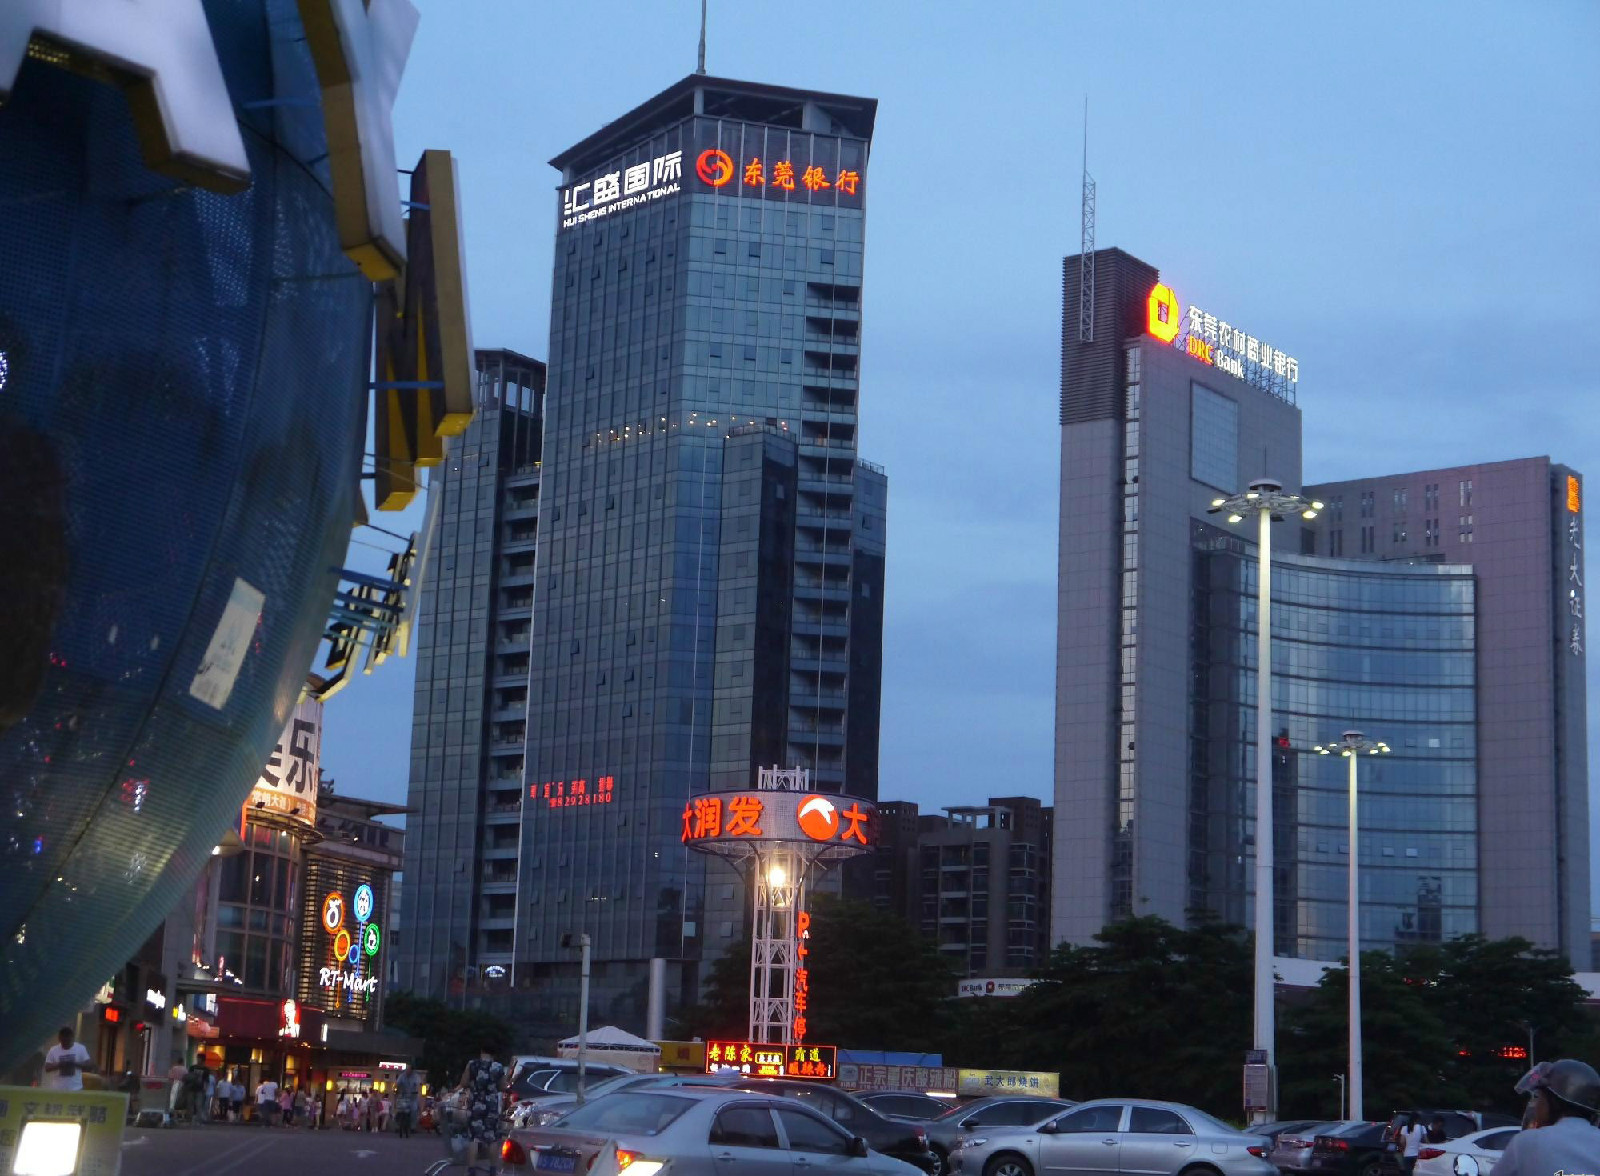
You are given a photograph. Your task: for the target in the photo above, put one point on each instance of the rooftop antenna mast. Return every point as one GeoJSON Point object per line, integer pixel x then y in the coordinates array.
{"type": "Point", "coordinates": [702, 66]}
{"type": "Point", "coordinates": [1086, 243]}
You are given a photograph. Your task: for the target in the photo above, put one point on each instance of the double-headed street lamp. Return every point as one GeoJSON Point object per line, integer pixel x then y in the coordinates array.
{"type": "Point", "coordinates": [1353, 747]}
{"type": "Point", "coordinates": [1267, 501]}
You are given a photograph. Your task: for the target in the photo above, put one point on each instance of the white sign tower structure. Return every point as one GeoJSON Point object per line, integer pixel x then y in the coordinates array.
{"type": "Point", "coordinates": [779, 862]}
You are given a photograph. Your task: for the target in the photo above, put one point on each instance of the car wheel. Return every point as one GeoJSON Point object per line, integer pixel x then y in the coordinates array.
{"type": "Point", "coordinates": [1370, 1168]}
{"type": "Point", "coordinates": [1008, 1165]}
{"type": "Point", "coordinates": [941, 1161]}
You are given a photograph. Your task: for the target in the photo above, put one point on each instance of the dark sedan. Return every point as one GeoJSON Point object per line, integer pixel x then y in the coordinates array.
{"type": "Point", "coordinates": [1353, 1150]}
{"type": "Point", "coordinates": [893, 1137]}
{"type": "Point", "coordinates": [905, 1104]}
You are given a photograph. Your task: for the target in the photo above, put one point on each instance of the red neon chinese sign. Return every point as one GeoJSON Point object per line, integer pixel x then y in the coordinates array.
{"type": "Point", "coordinates": [573, 793]}
{"type": "Point", "coordinates": [802, 974]}
{"type": "Point", "coordinates": [776, 816]}
{"type": "Point", "coordinates": [716, 169]}
{"type": "Point", "coordinates": [772, 1060]}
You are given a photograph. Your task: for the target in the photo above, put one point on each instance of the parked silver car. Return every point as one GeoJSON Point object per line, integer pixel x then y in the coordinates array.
{"type": "Point", "coordinates": [1110, 1136]}
{"type": "Point", "coordinates": [981, 1113]}
{"type": "Point", "coordinates": [696, 1131]}
{"type": "Point", "coordinates": [547, 1110]}
{"type": "Point", "coordinates": [1291, 1151]}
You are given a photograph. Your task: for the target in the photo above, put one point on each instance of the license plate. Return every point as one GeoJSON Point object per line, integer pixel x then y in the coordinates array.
{"type": "Point", "coordinates": [556, 1162]}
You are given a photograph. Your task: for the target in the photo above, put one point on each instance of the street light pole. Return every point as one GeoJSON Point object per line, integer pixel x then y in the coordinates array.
{"type": "Point", "coordinates": [583, 944]}
{"type": "Point", "coordinates": [1352, 748]}
{"type": "Point", "coordinates": [1266, 499]}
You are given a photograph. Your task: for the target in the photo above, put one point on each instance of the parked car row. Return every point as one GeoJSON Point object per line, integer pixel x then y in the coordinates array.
{"type": "Point", "coordinates": [752, 1127]}
{"type": "Point", "coordinates": [705, 1123]}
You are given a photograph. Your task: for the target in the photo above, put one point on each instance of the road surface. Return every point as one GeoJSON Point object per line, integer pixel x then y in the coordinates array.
{"type": "Point", "coordinates": [247, 1150]}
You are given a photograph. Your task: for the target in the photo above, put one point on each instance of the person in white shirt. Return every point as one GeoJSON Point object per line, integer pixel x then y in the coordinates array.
{"type": "Point", "coordinates": [267, 1101]}
{"type": "Point", "coordinates": [224, 1094]}
{"type": "Point", "coordinates": [65, 1063]}
{"type": "Point", "coordinates": [1414, 1134]}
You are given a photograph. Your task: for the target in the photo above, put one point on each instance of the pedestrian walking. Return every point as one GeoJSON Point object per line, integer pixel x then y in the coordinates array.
{"type": "Point", "coordinates": [65, 1062]}
{"type": "Point", "coordinates": [480, 1086]}
{"type": "Point", "coordinates": [224, 1093]}
{"type": "Point", "coordinates": [343, 1113]}
{"type": "Point", "coordinates": [1412, 1137]}
{"type": "Point", "coordinates": [236, 1093]}
{"type": "Point", "coordinates": [304, 1111]}
{"type": "Point", "coordinates": [384, 1107]}
{"type": "Point", "coordinates": [267, 1101]}
{"type": "Point", "coordinates": [286, 1105]}
{"type": "Point", "coordinates": [208, 1097]}
{"type": "Point", "coordinates": [177, 1073]}
{"type": "Point", "coordinates": [407, 1087]}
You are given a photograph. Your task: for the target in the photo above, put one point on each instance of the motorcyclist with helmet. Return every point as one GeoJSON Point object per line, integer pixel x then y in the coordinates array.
{"type": "Point", "coordinates": [1559, 1135]}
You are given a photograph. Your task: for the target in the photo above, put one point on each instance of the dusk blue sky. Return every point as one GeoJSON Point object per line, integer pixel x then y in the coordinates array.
{"type": "Point", "coordinates": [1402, 195]}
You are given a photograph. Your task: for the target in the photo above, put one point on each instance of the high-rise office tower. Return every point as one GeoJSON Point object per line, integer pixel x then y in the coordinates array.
{"type": "Point", "coordinates": [710, 566]}
{"type": "Point", "coordinates": [1440, 612]}
{"type": "Point", "coordinates": [473, 616]}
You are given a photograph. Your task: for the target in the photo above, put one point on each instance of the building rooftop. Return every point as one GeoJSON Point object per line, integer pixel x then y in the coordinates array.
{"type": "Point", "coordinates": [726, 98]}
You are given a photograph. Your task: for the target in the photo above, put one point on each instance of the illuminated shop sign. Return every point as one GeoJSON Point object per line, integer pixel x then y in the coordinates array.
{"type": "Point", "coordinates": [289, 1019]}
{"type": "Point", "coordinates": [1574, 566]}
{"type": "Point", "coordinates": [984, 1082]}
{"type": "Point", "coordinates": [772, 1060]}
{"type": "Point", "coordinates": [802, 974]}
{"type": "Point", "coordinates": [574, 793]}
{"type": "Point", "coordinates": [1216, 343]}
{"type": "Point", "coordinates": [776, 816]}
{"type": "Point", "coordinates": [621, 190]}
{"type": "Point", "coordinates": [769, 163]}
{"type": "Point", "coordinates": [987, 986]}
{"type": "Point", "coordinates": [340, 971]}
{"type": "Point", "coordinates": [287, 787]}
{"type": "Point", "coordinates": [338, 978]}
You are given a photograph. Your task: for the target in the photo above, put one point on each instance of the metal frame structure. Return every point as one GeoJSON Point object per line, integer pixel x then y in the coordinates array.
{"type": "Point", "coordinates": [779, 868]}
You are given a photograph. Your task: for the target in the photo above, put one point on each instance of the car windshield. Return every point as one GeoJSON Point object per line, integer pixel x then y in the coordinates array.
{"type": "Point", "coordinates": [619, 1082]}
{"type": "Point", "coordinates": [627, 1114]}
{"type": "Point", "coordinates": [963, 1108]}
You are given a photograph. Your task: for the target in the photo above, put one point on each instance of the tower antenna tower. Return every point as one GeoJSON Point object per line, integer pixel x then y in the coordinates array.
{"type": "Point", "coordinates": [1086, 243]}
{"type": "Point", "coordinates": [701, 67]}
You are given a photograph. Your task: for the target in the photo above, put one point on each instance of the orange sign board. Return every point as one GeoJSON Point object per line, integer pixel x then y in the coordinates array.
{"type": "Point", "coordinates": [1164, 313]}
{"type": "Point", "coordinates": [777, 816]}
{"type": "Point", "coordinates": [1574, 495]}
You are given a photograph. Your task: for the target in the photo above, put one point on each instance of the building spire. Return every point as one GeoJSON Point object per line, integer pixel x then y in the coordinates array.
{"type": "Point", "coordinates": [701, 67]}
{"type": "Point", "coordinates": [1086, 243]}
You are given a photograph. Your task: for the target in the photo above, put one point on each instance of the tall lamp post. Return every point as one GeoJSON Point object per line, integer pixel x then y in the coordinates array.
{"type": "Point", "coordinates": [1353, 747]}
{"type": "Point", "coordinates": [1267, 501]}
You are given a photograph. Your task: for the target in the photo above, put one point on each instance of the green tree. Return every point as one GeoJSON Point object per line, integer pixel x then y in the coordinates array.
{"type": "Point", "coordinates": [1405, 1045]}
{"type": "Point", "coordinates": [1487, 993]}
{"type": "Point", "coordinates": [723, 1010]}
{"type": "Point", "coordinates": [875, 982]}
{"type": "Point", "coordinates": [450, 1036]}
{"type": "Point", "coordinates": [1150, 1010]}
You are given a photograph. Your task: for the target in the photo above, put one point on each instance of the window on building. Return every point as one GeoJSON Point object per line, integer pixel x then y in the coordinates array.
{"type": "Point", "coordinates": [1466, 492]}
{"type": "Point", "coordinates": [1214, 439]}
{"type": "Point", "coordinates": [1464, 528]}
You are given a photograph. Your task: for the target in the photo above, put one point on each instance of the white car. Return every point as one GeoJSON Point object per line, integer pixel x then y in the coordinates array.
{"type": "Point", "coordinates": [1439, 1159]}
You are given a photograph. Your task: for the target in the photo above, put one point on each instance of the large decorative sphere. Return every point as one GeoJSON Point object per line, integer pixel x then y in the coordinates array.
{"type": "Point", "coordinates": [182, 379]}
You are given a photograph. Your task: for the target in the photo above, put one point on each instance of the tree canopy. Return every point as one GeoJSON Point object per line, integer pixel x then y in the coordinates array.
{"type": "Point", "coordinates": [450, 1036]}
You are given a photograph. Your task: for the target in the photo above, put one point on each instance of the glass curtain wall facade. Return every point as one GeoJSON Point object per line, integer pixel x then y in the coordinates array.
{"type": "Point", "coordinates": [470, 701]}
{"type": "Point", "coordinates": [707, 301]}
{"type": "Point", "coordinates": [1387, 649]}
{"type": "Point", "coordinates": [258, 904]}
